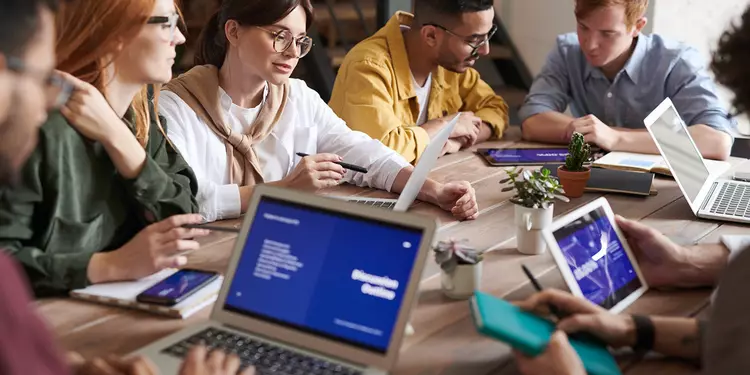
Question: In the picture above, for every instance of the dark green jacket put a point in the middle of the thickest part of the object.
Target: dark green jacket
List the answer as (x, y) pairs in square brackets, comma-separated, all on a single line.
[(71, 203)]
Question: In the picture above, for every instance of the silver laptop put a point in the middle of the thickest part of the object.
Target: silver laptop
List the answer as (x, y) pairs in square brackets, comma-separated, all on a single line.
[(418, 177), (314, 286), (709, 195)]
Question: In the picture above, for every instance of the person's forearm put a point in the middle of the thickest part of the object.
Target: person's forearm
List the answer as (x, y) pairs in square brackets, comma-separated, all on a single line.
[(703, 265), (712, 143), (547, 127), (428, 192), (434, 126), (677, 337), (126, 153)]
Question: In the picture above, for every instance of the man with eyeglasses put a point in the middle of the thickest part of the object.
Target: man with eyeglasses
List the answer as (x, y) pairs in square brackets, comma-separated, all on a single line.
[(409, 79), (611, 76)]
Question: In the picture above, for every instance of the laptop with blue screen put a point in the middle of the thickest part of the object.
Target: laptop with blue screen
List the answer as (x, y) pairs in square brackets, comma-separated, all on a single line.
[(314, 286)]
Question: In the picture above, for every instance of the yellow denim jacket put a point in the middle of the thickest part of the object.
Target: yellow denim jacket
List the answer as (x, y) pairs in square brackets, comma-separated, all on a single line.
[(374, 93)]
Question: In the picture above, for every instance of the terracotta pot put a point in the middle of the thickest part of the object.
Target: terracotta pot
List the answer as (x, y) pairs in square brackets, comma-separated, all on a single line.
[(574, 183)]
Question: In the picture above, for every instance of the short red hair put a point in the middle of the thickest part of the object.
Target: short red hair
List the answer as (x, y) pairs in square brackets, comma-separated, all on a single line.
[(634, 9)]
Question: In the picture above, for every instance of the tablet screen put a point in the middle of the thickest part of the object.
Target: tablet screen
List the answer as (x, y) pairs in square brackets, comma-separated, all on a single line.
[(539, 155), (597, 259)]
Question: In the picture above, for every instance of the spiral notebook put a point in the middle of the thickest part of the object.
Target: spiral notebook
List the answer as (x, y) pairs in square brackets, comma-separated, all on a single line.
[(123, 294)]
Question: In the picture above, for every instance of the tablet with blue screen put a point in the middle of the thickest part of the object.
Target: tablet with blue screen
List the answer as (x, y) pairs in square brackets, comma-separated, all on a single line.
[(523, 156), (594, 257)]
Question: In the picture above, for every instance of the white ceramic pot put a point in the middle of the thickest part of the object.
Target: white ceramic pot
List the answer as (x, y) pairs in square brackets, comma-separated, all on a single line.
[(529, 225), (462, 282)]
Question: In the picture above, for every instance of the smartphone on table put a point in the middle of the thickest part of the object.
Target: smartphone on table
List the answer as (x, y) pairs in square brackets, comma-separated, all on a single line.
[(177, 287)]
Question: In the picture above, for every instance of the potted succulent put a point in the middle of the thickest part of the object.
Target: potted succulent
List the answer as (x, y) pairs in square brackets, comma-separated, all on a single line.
[(534, 204), (574, 175), (460, 266)]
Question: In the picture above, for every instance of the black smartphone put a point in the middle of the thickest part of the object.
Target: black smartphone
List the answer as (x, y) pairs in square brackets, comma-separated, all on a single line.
[(178, 286)]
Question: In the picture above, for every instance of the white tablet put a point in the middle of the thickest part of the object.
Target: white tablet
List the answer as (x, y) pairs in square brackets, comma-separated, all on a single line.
[(594, 257)]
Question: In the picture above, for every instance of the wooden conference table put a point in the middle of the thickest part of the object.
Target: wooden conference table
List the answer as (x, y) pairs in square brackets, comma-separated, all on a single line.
[(445, 341)]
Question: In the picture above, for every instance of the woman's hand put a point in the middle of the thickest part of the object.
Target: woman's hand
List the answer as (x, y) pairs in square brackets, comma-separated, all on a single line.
[(158, 246), (316, 172), (89, 112)]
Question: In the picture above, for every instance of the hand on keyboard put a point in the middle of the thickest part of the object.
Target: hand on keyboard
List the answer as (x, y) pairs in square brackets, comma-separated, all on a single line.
[(200, 361)]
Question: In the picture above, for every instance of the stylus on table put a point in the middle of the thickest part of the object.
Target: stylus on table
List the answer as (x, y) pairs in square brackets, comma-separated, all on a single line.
[(211, 228), (348, 166)]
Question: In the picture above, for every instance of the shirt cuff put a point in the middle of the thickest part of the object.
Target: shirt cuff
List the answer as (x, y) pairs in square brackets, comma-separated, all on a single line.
[(73, 269), (392, 167), (422, 139), (530, 110), (495, 119), (228, 202), (736, 243), (147, 187)]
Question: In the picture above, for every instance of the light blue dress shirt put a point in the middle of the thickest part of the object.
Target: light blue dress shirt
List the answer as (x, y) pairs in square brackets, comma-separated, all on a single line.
[(658, 68)]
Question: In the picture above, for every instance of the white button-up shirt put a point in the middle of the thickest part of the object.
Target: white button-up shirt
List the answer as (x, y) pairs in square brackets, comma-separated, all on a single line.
[(307, 125)]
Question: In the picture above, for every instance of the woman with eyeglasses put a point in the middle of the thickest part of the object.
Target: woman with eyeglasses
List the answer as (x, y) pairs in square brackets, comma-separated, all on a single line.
[(104, 195), (239, 120)]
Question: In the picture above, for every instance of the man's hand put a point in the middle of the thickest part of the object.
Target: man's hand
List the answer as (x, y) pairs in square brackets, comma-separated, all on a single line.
[(113, 365), (558, 359), (458, 198), (594, 131), (451, 146), (583, 316)]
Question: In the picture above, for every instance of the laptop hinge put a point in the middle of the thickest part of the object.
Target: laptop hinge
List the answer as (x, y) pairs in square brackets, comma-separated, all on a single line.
[(709, 195)]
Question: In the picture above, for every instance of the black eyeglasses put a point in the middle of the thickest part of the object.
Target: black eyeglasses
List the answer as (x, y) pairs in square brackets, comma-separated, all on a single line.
[(57, 89), (283, 39), (167, 22), (466, 39)]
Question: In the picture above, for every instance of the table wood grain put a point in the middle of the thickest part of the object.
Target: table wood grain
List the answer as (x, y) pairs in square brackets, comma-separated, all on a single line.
[(445, 341)]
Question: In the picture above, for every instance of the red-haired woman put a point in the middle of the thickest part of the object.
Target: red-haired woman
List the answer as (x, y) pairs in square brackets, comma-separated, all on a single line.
[(104, 195)]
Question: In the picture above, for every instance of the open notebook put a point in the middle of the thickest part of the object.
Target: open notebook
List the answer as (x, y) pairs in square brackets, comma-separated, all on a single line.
[(123, 294), (647, 163)]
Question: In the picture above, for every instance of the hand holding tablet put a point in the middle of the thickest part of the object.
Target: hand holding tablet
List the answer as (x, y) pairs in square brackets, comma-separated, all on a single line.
[(594, 257)]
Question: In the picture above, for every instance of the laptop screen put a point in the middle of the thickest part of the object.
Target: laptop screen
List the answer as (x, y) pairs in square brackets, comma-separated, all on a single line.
[(337, 276), (683, 158)]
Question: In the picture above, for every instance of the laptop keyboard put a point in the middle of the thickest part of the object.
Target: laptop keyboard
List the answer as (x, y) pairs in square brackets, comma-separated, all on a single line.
[(732, 200), (267, 358), (381, 204)]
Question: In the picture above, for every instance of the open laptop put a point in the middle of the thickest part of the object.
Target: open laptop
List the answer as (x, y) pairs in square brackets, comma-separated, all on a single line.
[(418, 177), (709, 195), (314, 286)]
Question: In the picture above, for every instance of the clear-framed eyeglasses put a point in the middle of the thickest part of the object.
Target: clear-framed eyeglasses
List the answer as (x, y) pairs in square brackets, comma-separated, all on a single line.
[(283, 39), (167, 23), (475, 42), (57, 90)]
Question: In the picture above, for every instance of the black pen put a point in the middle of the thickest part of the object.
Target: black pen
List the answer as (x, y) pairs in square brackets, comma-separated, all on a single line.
[(552, 308), (211, 228), (348, 166)]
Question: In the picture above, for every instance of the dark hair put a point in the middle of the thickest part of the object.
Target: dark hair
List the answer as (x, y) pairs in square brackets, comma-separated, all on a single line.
[(212, 47), (434, 10), (731, 62), (19, 22)]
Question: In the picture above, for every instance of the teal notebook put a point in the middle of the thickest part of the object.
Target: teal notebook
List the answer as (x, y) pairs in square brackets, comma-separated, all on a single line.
[(529, 333)]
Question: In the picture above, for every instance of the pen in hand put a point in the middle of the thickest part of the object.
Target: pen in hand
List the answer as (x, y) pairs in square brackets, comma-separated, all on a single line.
[(211, 228), (560, 314), (348, 166)]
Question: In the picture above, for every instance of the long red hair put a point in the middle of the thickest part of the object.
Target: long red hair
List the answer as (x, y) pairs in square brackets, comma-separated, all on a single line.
[(89, 31)]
